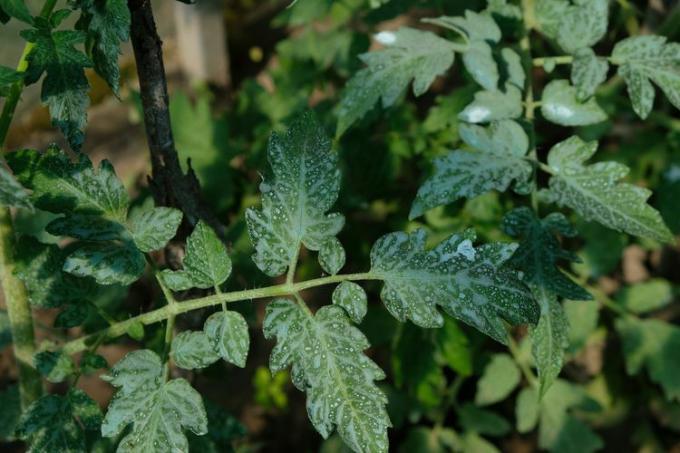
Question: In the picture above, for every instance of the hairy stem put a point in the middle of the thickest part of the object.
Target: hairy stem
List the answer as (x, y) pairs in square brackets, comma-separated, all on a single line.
[(14, 291), (186, 306), (20, 317), (562, 59), (169, 184)]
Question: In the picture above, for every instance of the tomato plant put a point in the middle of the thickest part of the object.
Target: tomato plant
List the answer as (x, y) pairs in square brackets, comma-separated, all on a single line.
[(448, 259)]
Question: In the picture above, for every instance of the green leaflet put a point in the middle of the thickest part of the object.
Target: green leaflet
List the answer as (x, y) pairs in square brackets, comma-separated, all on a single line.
[(646, 296), (95, 207), (645, 59), (61, 186), (559, 104), (409, 54), (332, 256), (17, 9), (192, 350), (453, 347), (228, 334), (56, 423), (548, 15), (559, 430), (588, 71), (652, 344), (325, 351), (500, 377), (594, 193), (304, 185), (493, 106), (108, 263), (87, 227), (11, 192), (206, 263), (352, 298), (480, 30), (55, 366), (7, 78), (153, 228), (469, 283), (158, 411), (497, 159), (107, 23), (65, 87), (583, 24), (39, 266), (225, 335), (549, 338), (539, 251), (513, 67)]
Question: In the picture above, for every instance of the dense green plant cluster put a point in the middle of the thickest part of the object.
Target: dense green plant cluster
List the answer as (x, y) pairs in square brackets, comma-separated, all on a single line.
[(523, 285)]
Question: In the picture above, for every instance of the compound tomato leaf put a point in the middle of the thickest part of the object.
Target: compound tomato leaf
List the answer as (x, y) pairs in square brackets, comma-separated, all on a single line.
[(191, 350), (109, 263), (540, 251), (305, 184), (151, 229), (108, 24), (594, 193), (62, 186), (549, 339), (158, 411), (493, 105), (206, 263), (65, 87), (228, 335), (409, 54), (325, 351), (469, 283), (496, 160), (560, 105), (645, 59)]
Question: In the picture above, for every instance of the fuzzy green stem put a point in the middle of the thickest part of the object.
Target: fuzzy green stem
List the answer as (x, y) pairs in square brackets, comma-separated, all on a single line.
[(167, 311), (20, 317), (14, 291), (562, 59)]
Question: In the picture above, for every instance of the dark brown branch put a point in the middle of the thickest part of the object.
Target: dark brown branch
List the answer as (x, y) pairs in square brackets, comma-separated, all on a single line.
[(169, 185)]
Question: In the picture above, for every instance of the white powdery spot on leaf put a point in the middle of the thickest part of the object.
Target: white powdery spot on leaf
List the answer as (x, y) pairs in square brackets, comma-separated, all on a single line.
[(304, 186), (325, 352), (480, 292)]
